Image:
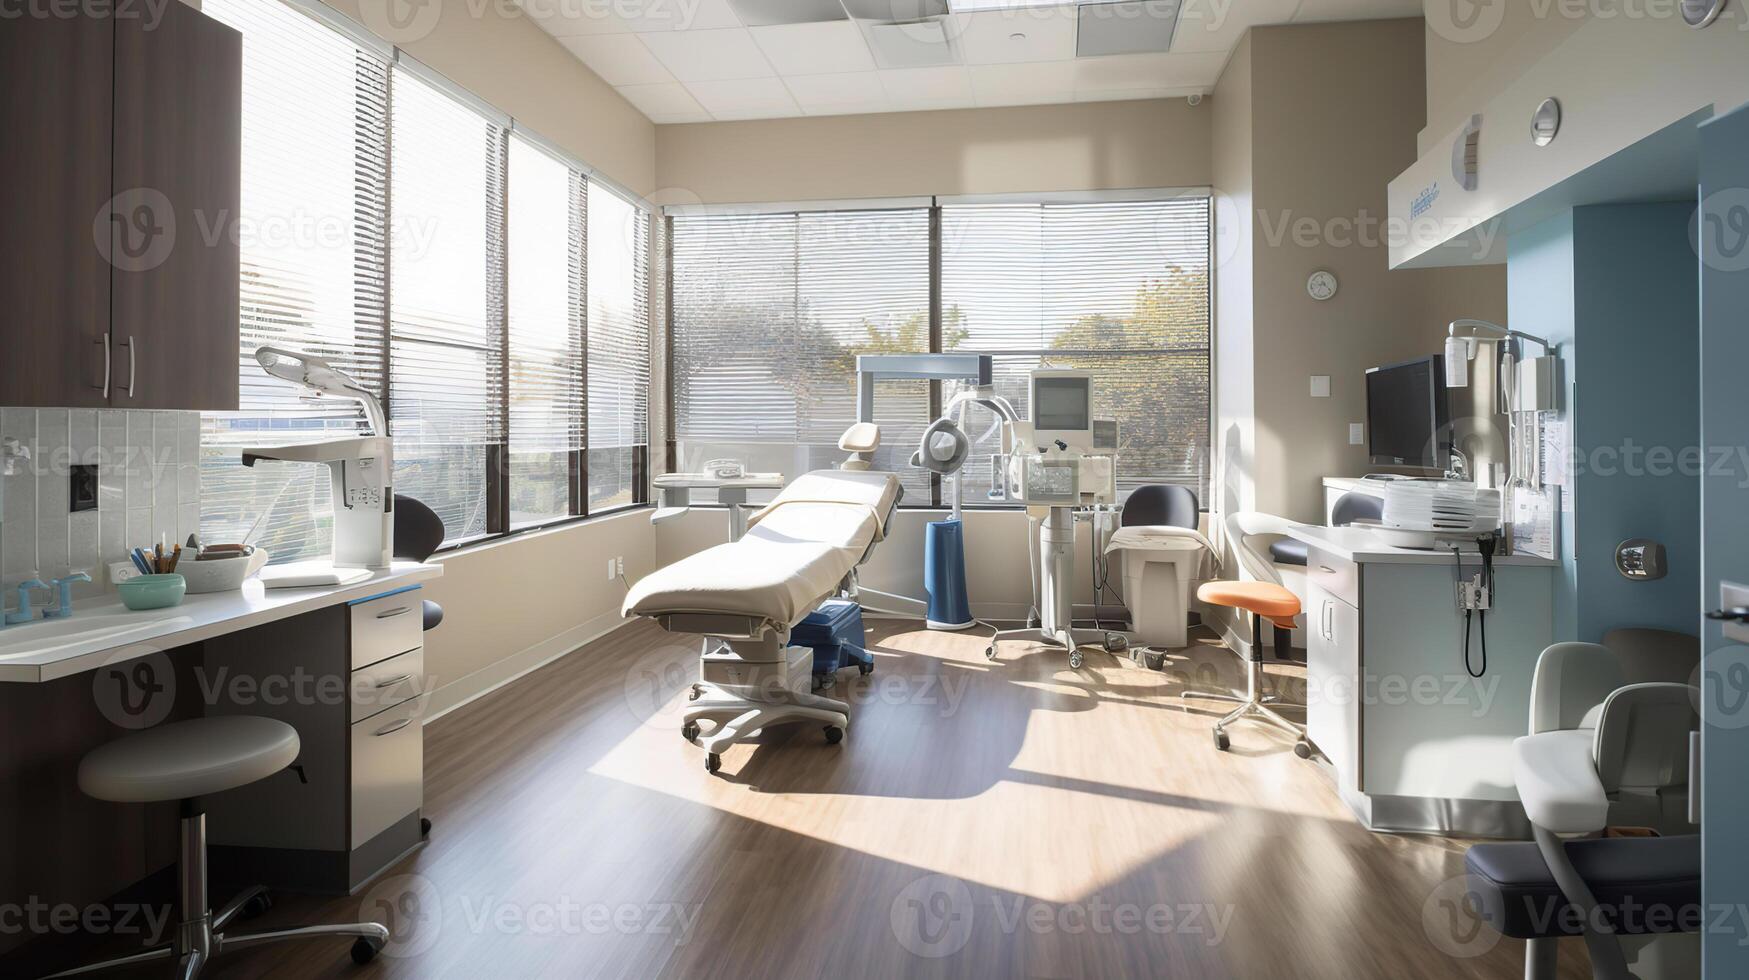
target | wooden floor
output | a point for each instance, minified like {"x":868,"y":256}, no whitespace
{"x":1001,"y":819}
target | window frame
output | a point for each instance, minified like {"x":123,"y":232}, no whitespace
{"x":935,"y":206}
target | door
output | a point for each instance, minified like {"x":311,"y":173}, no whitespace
{"x":55,"y":81}
{"x":178,"y":173}
{"x":1334,"y":692}
{"x":1723,"y":230}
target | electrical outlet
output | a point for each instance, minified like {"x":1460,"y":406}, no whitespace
{"x":121,"y":571}
{"x":612,"y":569}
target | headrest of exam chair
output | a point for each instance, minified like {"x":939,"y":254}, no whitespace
{"x":943,"y":448}
{"x":860,"y":441}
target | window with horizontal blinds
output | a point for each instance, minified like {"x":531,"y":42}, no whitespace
{"x":1117,"y":288}
{"x":446,"y":303}
{"x":769,"y":312}
{"x":312,"y":229}
{"x":547,"y":215}
{"x":619,"y":349}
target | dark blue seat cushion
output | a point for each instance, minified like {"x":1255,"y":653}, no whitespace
{"x":1642,"y":885}
{"x":1288,"y":551}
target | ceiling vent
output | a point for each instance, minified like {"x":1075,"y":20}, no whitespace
{"x":1132,"y":27}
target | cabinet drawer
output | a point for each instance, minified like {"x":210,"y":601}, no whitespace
{"x":387,"y":627}
{"x":1337,"y":576}
{"x":388,"y":769}
{"x":387,"y":683}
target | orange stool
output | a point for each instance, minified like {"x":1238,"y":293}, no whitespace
{"x":1263,"y":600}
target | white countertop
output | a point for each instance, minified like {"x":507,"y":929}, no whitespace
{"x":104,"y":631}
{"x":1357,"y":544}
{"x":705,"y":481}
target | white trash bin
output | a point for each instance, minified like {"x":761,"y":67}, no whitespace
{"x":1161,"y":566}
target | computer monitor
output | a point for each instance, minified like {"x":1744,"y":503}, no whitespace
{"x":1408,"y":421}
{"x":1062,"y":407}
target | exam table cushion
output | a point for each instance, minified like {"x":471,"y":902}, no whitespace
{"x":1556,"y":776}
{"x":187,"y":759}
{"x":795,"y":553}
{"x":1514,"y":891}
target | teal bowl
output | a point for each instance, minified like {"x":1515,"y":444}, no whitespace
{"x":152,"y":591}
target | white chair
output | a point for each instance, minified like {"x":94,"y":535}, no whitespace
{"x":1600,"y":753}
{"x":185,"y":761}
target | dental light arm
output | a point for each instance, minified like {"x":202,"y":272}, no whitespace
{"x":1465,"y":334}
{"x":319,"y":377}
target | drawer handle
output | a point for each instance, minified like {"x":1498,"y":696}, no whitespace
{"x":392,"y":729}
{"x":392,"y":613}
{"x":1326,"y":569}
{"x":391,"y":682}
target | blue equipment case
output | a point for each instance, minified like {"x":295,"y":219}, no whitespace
{"x":835,"y":632}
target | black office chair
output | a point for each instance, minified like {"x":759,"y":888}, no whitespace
{"x":1160,"y":505}
{"x":1350,"y":507}
{"x":418,"y":535}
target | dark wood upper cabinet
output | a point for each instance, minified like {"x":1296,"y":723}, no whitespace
{"x":119,"y":268}
{"x":54,"y":163}
{"x":177,"y":178}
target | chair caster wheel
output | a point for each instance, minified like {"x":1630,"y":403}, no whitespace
{"x":689,"y":731}
{"x":834,"y":734}
{"x":1114,"y":643}
{"x":365,"y":950}
{"x":1154,"y":659}
{"x":865,"y":669}
{"x":713,"y":762}
{"x":425,"y":826}
{"x":1303,"y":749}
{"x":990,"y":652}
{"x":257,"y":906}
{"x":1221,"y":743}
{"x":1075,"y":660}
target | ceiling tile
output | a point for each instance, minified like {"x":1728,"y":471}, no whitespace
{"x":1207,"y":25}
{"x":744,"y":98}
{"x":1131,"y":27}
{"x":894,"y":11}
{"x":989,"y":38}
{"x":708,"y":56}
{"x":922,"y":44}
{"x":928,"y":86}
{"x":1029,"y":84}
{"x":620,"y":59}
{"x":1197,"y":71}
{"x":764,"y":13}
{"x":858,"y":91}
{"x":667,"y":102}
{"x":814,"y":49}
{"x":670,"y":15}
{"x":1326,"y":10}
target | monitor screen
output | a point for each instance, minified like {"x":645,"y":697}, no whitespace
{"x":1407,"y":415}
{"x":1062,"y":404}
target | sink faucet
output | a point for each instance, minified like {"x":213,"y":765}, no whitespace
{"x":65,"y":585}
{"x":24,"y":590}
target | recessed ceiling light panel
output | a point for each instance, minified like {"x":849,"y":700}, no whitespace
{"x":973,"y":6}
{"x":895,"y":11}
{"x":770,"y":13}
{"x":1131,"y":27}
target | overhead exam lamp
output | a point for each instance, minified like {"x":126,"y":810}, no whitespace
{"x":360,"y":470}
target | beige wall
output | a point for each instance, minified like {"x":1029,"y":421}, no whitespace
{"x":503,"y":56}
{"x":1100,"y":145}
{"x":1235,"y":384}
{"x":1475,"y":50}
{"x":1334,"y":112}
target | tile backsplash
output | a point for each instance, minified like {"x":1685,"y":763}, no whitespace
{"x":148,"y":473}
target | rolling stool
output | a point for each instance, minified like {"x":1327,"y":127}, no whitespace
{"x":185,"y":761}
{"x":1263,"y":599}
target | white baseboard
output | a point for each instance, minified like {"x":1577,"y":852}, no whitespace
{"x":490,"y":678}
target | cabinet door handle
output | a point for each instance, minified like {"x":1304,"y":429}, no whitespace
{"x":391,"y":682}
{"x":1329,"y":626}
{"x":392,"y":613}
{"x":133,"y":363}
{"x":392,"y":729}
{"x":104,"y":387}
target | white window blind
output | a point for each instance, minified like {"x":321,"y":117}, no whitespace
{"x":312,"y":232}
{"x":769,"y":312}
{"x":1120,"y":289}
{"x":547,"y":202}
{"x":447,"y":302}
{"x":619,"y":349}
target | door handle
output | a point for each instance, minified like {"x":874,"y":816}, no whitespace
{"x":104,"y":387}
{"x":1694,"y":764}
{"x":392,"y":729}
{"x":392,"y":613}
{"x":391,"y":682}
{"x":133,"y":363}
